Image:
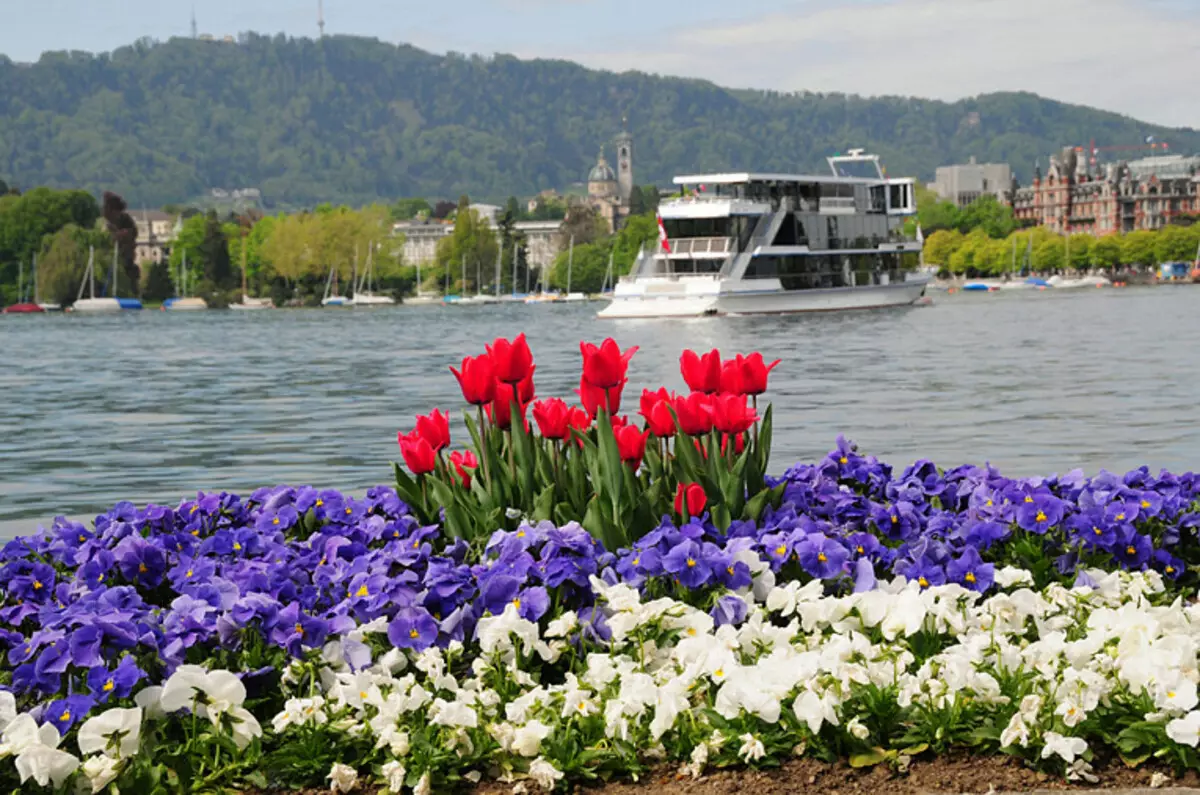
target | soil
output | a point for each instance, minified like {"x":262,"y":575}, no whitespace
{"x":947,"y":774}
{"x":956,"y":774}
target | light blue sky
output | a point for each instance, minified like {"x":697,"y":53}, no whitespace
{"x":947,"y":49}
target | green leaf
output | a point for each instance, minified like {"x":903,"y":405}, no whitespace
{"x":543,"y":505}
{"x":869,"y":758}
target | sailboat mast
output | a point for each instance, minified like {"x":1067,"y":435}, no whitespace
{"x":20,"y":281}
{"x":514,"y":258}
{"x":354,"y":270}
{"x":570,"y":263}
{"x":113,"y":290}
{"x":499,"y":254}
{"x":464,"y":272}
{"x":37,"y":299}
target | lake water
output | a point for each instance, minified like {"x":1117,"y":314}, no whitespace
{"x":153,"y":406}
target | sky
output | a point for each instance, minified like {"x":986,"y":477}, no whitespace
{"x":1137,"y":57}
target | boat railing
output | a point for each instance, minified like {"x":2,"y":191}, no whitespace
{"x":701,"y":245}
{"x":838,"y":204}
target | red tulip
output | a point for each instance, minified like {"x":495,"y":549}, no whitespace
{"x":731,"y":414}
{"x":618,"y":421}
{"x":594,"y":398}
{"x":605,"y":366}
{"x":695,"y":413}
{"x":525,"y":392}
{"x":464,"y":465}
{"x":754,"y":373}
{"x":418,"y":455}
{"x":690,"y":500}
{"x":731,"y":378}
{"x":631,"y":444}
{"x":435,"y":429}
{"x":500,"y":410}
{"x":513,"y":360}
{"x":477,"y":380}
{"x":660,"y":421}
{"x":650,"y":399}
{"x":702,"y":373}
{"x":579,"y":420}
{"x":739,"y":444}
{"x":552,"y":417}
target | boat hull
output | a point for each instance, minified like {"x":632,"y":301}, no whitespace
{"x":185,"y":305}
{"x":23,"y":309}
{"x":96,"y":305}
{"x":764,"y":302}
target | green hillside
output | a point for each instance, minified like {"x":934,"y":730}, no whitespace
{"x":355,"y":120}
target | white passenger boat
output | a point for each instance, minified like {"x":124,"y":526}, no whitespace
{"x":774,"y":243}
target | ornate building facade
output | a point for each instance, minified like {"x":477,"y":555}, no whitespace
{"x":1125,"y":197}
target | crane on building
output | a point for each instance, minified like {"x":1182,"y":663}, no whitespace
{"x":1149,"y":144}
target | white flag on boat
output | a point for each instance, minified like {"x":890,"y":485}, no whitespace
{"x":662,"y":236}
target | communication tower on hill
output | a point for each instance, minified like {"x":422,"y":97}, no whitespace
{"x":195,"y":33}
{"x":321,"y":18}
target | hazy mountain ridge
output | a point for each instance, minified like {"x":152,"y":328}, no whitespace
{"x":354,"y":119}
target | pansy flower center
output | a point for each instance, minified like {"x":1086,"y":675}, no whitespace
{"x":1041,"y":516}
{"x":843,"y":460}
{"x":412,"y":633}
{"x":37,"y":585}
{"x":109,"y":686}
{"x":520,"y":534}
{"x":781,"y":550}
{"x":821,"y":557}
{"x":860,"y":549}
{"x":1028,"y":498}
{"x":970,"y":577}
{"x":517,"y":602}
{"x":691,"y":562}
{"x":299,"y":630}
{"x":189,"y":572}
{"x":1145,"y":503}
{"x":275,"y":520}
{"x":142,"y":568}
{"x":921,"y":581}
{"x":1097,"y":531}
{"x":1129,"y":550}
{"x":1121,"y":517}
{"x":66,"y":716}
{"x":319,"y":502}
{"x":1170,"y":569}
{"x":895,"y":519}
{"x":729,"y":570}
{"x":237,"y":547}
{"x":362,"y":591}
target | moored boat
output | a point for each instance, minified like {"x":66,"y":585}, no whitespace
{"x":184,"y":302}
{"x":92,"y":304}
{"x":766,"y":243}
{"x":23,"y":307}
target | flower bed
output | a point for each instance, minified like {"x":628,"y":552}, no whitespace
{"x":426,"y":637}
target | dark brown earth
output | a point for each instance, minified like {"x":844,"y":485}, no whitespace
{"x":957,"y":774}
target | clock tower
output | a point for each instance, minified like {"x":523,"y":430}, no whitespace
{"x":624,"y":143}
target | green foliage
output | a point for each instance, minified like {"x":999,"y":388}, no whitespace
{"x":1105,"y":252}
{"x":407,"y":209}
{"x":1176,"y":243}
{"x":28,"y":220}
{"x":990,"y":215}
{"x":158,"y":285}
{"x":1137,"y":248}
{"x":358,"y":120}
{"x":63,"y":262}
{"x":469,"y":254}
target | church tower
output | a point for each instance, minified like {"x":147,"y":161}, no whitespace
{"x":624,"y":143}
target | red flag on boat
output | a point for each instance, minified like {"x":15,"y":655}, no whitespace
{"x":662,"y":236}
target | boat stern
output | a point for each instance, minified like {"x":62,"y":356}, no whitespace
{"x":679,"y":296}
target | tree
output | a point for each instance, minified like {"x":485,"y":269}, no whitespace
{"x":1080,"y":248}
{"x":1050,"y":254}
{"x":1175,"y":243}
{"x":650,"y":198}
{"x":933,"y":213}
{"x":989,"y":214}
{"x":1137,"y":248}
{"x":214,"y":254}
{"x":158,"y":286}
{"x":637,"y":205}
{"x":443,"y":209}
{"x":941,"y":245}
{"x":585,"y":268}
{"x":1106,"y":252}
{"x":123,"y":230}
{"x":406,"y":209}
{"x":583,"y":224}
{"x":470,"y":253}
{"x":63,"y":259}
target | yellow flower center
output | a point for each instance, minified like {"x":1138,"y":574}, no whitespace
{"x":720,"y":672}
{"x":319,"y":502}
{"x":362,"y":694}
{"x":990,"y":503}
{"x":895,"y":519}
{"x":520,"y":534}
{"x":691,"y":562}
{"x":1041,"y":516}
{"x":517,"y":602}
{"x":109,"y":686}
{"x":821,"y":557}
{"x":1170,"y":694}
{"x":196,"y":533}
{"x":1170,"y":570}
{"x":1121,"y":517}
{"x":970,"y":576}
{"x":189,"y":572}
{"x":299,"y":630}
{"x":66,"y":716}
{"x":395,"y":534}
{"x":691,"y":631}
{"x":729,"y":570}
{"x":349,"y":511}
{"x":1097,"y":531}
{"x":194,"y":509}
{"x":860,"y":549}
{"x":582,"y":706}
{"x":142,"y":568}
{"x":37,"y":585}
{"x":1028,"y":498}
{"x":237,"y":547}
{"x":921,"y":581}
{"x":1129,"y":550}
{"x":412,"y":633}
{"x":843,"y":460}
{"x":781,"y":550}
{"x":362,"y":591}
{"x":637,"y":561}
{"x":1145,"y":503}
{"x":275,"y":520}
{"x":82,"y":539}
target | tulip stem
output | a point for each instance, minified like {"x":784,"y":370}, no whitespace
{"x":754,"y":403}
{"x":483,"y":450}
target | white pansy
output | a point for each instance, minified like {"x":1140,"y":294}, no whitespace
{"x":752,"y":748}
{"x":527,"y":739}
{"x":8,"y":708}
{"x":857,"y":729}
{"x":562,"y":626}
{"x":545,"y":774}
{"x":424,"y":785}
{"x":115,"y":732}
{"x":1015,"y":733}
{"x":393,"y":775}
{"x":1068,"y":748}
{"x":342,"y":778}
{"x":39,"y":758}
{"x":1185,"y":730}
{"x":100,"y":771}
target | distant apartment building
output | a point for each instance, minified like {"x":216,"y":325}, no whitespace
{"x":156,"y":231}
{"x":1117,"y":198}
{"x":963,"y":184}
{"x":543,"y":241}
{"x":421,"y":239}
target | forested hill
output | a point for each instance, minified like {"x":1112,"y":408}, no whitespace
{"x":354,"y":119}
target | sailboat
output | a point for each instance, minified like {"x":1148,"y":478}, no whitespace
{"x":92,"y":303}
{"x":422,"y":298}
{"x":47,"y":306}
{"x":126,"y":303}
{"x":606,"y":287}
{"x":23,"y":307}
{"x":183,"y":303}
{"x":543,"y":295}
{"x":480,"y":296}
{"x":331,"y":297}
{"x":570,"y":296}
{"x":1195,"y":267}
{"x":249,"y":304}
{"x":514,"y":296}
{"x":367,"y":297}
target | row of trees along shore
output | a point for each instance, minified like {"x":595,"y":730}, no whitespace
{"x":984,"y":239}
